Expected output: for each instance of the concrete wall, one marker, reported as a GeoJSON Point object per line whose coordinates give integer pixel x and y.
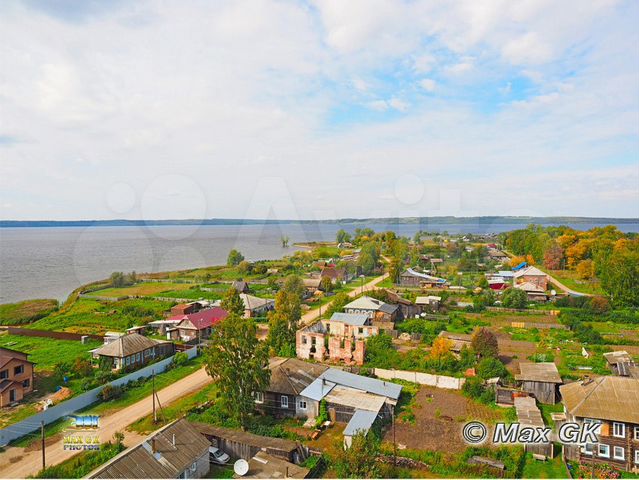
{"type": "Point", "coordinates": [439, 381]}
{"type": "Point", "coordinates": [78, 402]}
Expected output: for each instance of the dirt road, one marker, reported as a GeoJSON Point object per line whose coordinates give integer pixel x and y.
{"type": "Point", "coordinates": [310, 317]}
{"type": "Point", "coordinates": [18, 462]}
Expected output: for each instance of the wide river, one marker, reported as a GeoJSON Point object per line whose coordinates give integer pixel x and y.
{"type": "Point", "coordinates": [50, 262]}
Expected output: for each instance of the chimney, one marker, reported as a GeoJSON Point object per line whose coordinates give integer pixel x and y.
{"type": "Point", "coordinates": [174, 439]}
{"type": "Point", "coordinates": [153, 445]}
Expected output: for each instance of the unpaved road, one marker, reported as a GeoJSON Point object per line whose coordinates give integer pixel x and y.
{"type": "Point", "coordinates": [18, 462]}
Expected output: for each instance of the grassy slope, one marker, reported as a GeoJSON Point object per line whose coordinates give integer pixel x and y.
{"type": "Point", "coordinates": [46, 352]}
{"type": "Point", "coordinates": [27, 311]}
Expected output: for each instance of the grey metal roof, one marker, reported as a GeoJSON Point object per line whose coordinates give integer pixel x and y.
{"type": "Point", "coordinates": [128, 344]}
{"type": "Point", "coordinates": [361, 421]}
{"type": "Point", "coordinates": [355, 319]}
{"type": "Point", "coordinates": [371, 385]}
{"type": "Point", "coordinates": [318, 389]}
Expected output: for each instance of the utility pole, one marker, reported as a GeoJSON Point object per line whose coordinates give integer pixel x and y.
{"type": "Point", "coordinates": [394, 444]}
{"type": "Point", "coordinates": [44, 463]}
{"type": "Point", "coordinates": [155, 416]}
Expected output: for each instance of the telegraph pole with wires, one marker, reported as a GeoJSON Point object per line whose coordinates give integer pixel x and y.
{"type": "Point", "coordinates": [44, 463]}
{"type": "Point", "coordinates": [155, 416]}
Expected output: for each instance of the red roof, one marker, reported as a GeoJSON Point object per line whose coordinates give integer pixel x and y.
{"type": "Point", "coordinates": [204, 318]}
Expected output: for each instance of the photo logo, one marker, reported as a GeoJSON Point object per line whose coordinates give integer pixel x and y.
{"type": "Point", "coordinates": [475, 433]}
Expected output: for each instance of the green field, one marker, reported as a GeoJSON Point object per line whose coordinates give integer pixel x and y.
{"type": "Point", "coordinates": [569, 278]}
{"type": "Point", "coordinates": [140, 289]}
{"type": "Point", "coordinates": [97, 317]}
{"type": "Point", "coordinates": [27, 311]}
{"type": "Point", "coordinates": [46, 352]}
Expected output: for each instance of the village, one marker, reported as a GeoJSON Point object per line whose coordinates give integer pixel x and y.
{"type": "Point", "coordinates": [365, 357]}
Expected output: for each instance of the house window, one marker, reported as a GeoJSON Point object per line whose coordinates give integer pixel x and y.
{"type": "Point", "coordinates": [604, 450]}
{"type": "Point", "coordinates": [303, 340]}
{"type": "Point", "coordinates": [137, 357]}
{"type": "Point", "coordinates": [636, 433]}
{"type": "Point", "coordinates": [302, 404]}
{"type": "Point", "coordinates": [4, 374]}
{"type": "Point", "coordinates": [19, 370]}
{"type": "Point", "coordinates": [259, 397]}
{"type": "Point", "coordinates": [360, 330]}
{"type": "Point", "coordinates": [619, 429]}
{"type": "Point", "coordinates": [587, 449]}
{"type": "Point", "coordinates": [284, 401]}
{"type": "Point", "coordinates": [26, 383]}
{"type": "Point", "coordinates": [590, 420]}
{"type": "Point", "coordinates": [127, 360]}
{"type": "Point", "coordinates": [637, 457]}
{"type": "Point", "coordinates": [619, 453]}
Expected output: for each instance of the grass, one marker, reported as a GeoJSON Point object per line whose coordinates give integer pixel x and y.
{"type": "Point", "coordinates": [547, 410]}
{"type": "Point", "coordinates": [140, 289]}
{"type": "Point", "coordinates": [135, 394]}
{"type": "Point", "coordinates": [49, 430]}
{"type": "Point", "coordinates": [97, 317]}
{"type": "Point", "coordinates": [80, 465]}
{"type": "Point", "coordinates": [27, 311]}
{"type": "Point", "coordinates": [46, 352]}
{"type": "Point", "coordinates": [552, 468]}
{"type": "Point", "coordinates": [569, 278]}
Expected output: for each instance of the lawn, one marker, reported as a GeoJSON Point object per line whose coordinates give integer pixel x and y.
{"type": "Point", "coordinates": [569, 278]}
{"type": "Point", "coordinates": [26, 312]}
{"type": "Point", "coordinates": [140, 289]}
{"type": "Point", "coordinates": [46, 352]}
{"type": "Point", "coordinates": [97, 317]}
{"type": "Point", "coordinates": [554, 468]}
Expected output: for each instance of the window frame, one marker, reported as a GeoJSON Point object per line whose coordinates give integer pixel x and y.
{"type": "Point", "coordinates": [299, 404]}
{"type": "Point", "coordinates": [637, 456]}
{"type": "Point", "coordinates": [259, 397]}
{"type": "Point", "coordinates": [590, 452]}
{"type": "Point", "coordinates": [637, 433]}
{"type": "Point", "coordinates": [284, 401]}
{"type": "Point", "coordinates": [602, 455]}
{"type": "Point", "coordinates": [614, 453]}
{"type": "Point", "coordinates": [18, 370]}
{"type": "Point", "coordinates": [592, 420]}
{"type": "Point", "coordinates": [623, 429]}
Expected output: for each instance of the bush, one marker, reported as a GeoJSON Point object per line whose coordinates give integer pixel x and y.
{"type": "Point", "coordinates": [515, 298]}
{"type": "Point", "coordinates": [180, 358]}
{"type": "Point", "coordinates": [109, 392]}
{"type": "Point", "coordinates": [491, 368]}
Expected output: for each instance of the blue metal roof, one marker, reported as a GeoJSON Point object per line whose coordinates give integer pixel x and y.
{"type": "Point", "coordinates": [520, 266]}
{"type": "Point", "coordinates": [355, 319]}
{"type": "Point", "coordinates": [361, 421]}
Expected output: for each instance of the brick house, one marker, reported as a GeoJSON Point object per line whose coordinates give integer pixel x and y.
{"type": "Point", "coordinates": [16, 376]}
{"type": "Point", "coordinates": [340, 339]}
{"type": "Point", "coordinates": [533, 276]}
{"type": "Point", "coordinates": [613, 403]}
{"type": "Point", "coordinates": [185, 308]}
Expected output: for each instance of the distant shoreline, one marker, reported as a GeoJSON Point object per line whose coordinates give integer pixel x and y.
{"type": "Point", "coordinates": [483, 220]}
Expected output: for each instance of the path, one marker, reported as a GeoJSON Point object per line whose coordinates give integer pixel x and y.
{"type": "Point", "coordinates": [569, 291]}
{"type": "Point", "coordinates": [18, 462]}
{"type": "Point", "coordinates": [312, 315]}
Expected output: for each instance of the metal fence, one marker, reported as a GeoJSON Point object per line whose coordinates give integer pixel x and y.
{"type": "Point", "coordinates": [32, 423]}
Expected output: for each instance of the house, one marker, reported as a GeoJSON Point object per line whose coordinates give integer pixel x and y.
{"type": "Point", "coordinates": [239, 444]}
{"type": "Point", "coordinates": [375, 309]}
{"type": "Point", "coordinates": [132, 351]}
{"type": "Point", "coordinates": [458, 340]}
{"type": "Point", "coordinates": [340, 338]}
{"type": "Point", "coordinates": [534, 292]}
{"type": "Point", "coordinates": [355, 399]}
{"type": "Point", "coordinates": [256, 306]}
{"type": "Point", "coordinates": [497, 255]}
{"type": "Point", "coordinates": [621, 363]}
{"type": "Point", "coordinates": [241, 286]}
{"type": "Point", "coordinates": [312, 285]}
{"type": "Point", "coordinates": [412, 278]}
{"type": "Point", "coordinates": [16, 376]}
{"type": "Point", "coordinates": [196, 326]}
{"type": "Point", "coordinates": [289, 377]}
{"type": "Point", "coordinates": [177, 450]}
{"type": "Point", "coordinates": [542, 380]}
{"type": "Point", "coordinates": [498, 283]}
{"type": "Point", "coordinates": [185, 308]}
{"type": "Point", "coordinates": [532, 275]}
{"type": "Point", "coordinates": [610, 401]}
{"type": "Point", "coordinates": [263, 465]}
{"type": "Point", "coordinates": [335, 274]}
{"type": "Point", "coordinates": [428, 302]}
{"type": "Point", "coordinates": [407, 308]}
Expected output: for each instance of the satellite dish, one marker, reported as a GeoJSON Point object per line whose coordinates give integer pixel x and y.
{"type": "Point", "coordinates": [241, 467]}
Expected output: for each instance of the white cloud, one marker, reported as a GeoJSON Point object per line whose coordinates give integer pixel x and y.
{"type": "Point", "coordinates": [428, 84]}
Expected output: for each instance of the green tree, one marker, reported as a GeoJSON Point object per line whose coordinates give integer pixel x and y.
{"type": "Point", "coordinates": [326, 284]}
{"type": "Point", "coordinates": [238, 362]}
{"type": "Point", "coordinates": [339, 301]}
{"type": "Point", "coordinates": [360, 460]}
{"type": "Point", "coordinates": [233, 303]}
{"type": "Point", "coordinates": [295, 285]}
{"type": "Point", "coordinates": [283, 322]}
{"type": "Point", "coordinates": [491, 367]}
{"type": "Point", "coordinates": [117, 279]}
{"type": "Point", "coordinates": [620, 276]}
{"type": "Point", "coordinates": [342, 236]}
{"type": "Point", "coordinates": [234, 258]}
{"type": "Point", "coordinates": [368, 258]}
{"type": "Point", "coordinates": [514, 298]}
{"type": "Point", "coordinates": [484, 343]}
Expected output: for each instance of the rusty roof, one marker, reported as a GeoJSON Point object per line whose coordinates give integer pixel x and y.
{"type": "Point", "coordinates": [291, 375]}
{"type": "Point", "coordinates": [545, 372]}
{"type": "Point", "coordinates": [606, 398]}
{"type": "Point", "coordinates": [246, 438]}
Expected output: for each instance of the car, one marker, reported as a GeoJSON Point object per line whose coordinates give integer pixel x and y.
{"type": "Point", "coordinates": [218, 456]}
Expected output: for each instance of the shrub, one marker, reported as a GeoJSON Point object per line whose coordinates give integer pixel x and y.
{"type": "Point", "coordinates": [491, 367]}
{"type": "Point", "coordinates": [515, 298]}
{"type": "Point", "coordinates": [110, 391]}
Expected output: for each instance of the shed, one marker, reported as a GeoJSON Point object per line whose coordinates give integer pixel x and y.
{"type": "Point", "coordinates": [361, 422]}
{"type": "Point", "coordinates": [263, 465]}
{"type": "Point", "coordinates": [541, 380]}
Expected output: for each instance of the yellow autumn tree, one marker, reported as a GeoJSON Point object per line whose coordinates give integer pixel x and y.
{"type": "Point", "coordinates": [441, 346]}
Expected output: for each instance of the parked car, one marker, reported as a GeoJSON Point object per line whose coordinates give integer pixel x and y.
{"type": "Point", "coordinates": [218, 456]}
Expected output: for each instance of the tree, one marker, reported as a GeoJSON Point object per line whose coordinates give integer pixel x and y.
{"type": "Point", "coordinates": [339, 301]}
{"type": "Point", "coordinates": [491, 367]}
{"type": "Point", "coordinates": [620, 274]}
{"type": "Point", "coordinates": [441, 347]}
{"type": "Point", "coordinates": [483, 282]}
{"type": "Point", "coordinates": [326, 284]}
{"type": "Point", "coordinates": [395, 269]}
{"type": "Point", "coordinates": [484, 343]}
{"type": "Point", "coordinates": [342, 236]}
{"type": "Point", "coordinates": [514, 298]}
{"type": "Point", "coordinates": [234, 258]}
{"type": "Point", "coordinates": [295, 285]}
{"type": "Point", "coordinates": [117, 279]}
{"type": "Point", "coordinates": [553, 257]}
{"type": "Point", "coordinates": [233, 303]}
{"type": "Point", "coordinates": [368, 258]}
{"type": "Point", "coordinates": [238, 362]}
{"type": "Point", "coordinates": [360, 459]}
{"type": "Point", "coordinates": [283, 322]}
{"type": "Point", "coordinates": [244, 267]}
{"type": "Point", "coordinates": [585, 269]}
{"type": "Point", "coordinates": [285, 241]}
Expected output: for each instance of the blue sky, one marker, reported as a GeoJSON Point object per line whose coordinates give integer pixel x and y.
{"type": "Point", "coordinates": [318, 109]}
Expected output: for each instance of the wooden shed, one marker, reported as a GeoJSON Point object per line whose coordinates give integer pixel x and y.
{"type": "Point", "coordinates": [542, 380]}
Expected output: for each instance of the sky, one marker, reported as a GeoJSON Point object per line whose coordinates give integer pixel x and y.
{"type": "Point", "coordinates": [318, 109]}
